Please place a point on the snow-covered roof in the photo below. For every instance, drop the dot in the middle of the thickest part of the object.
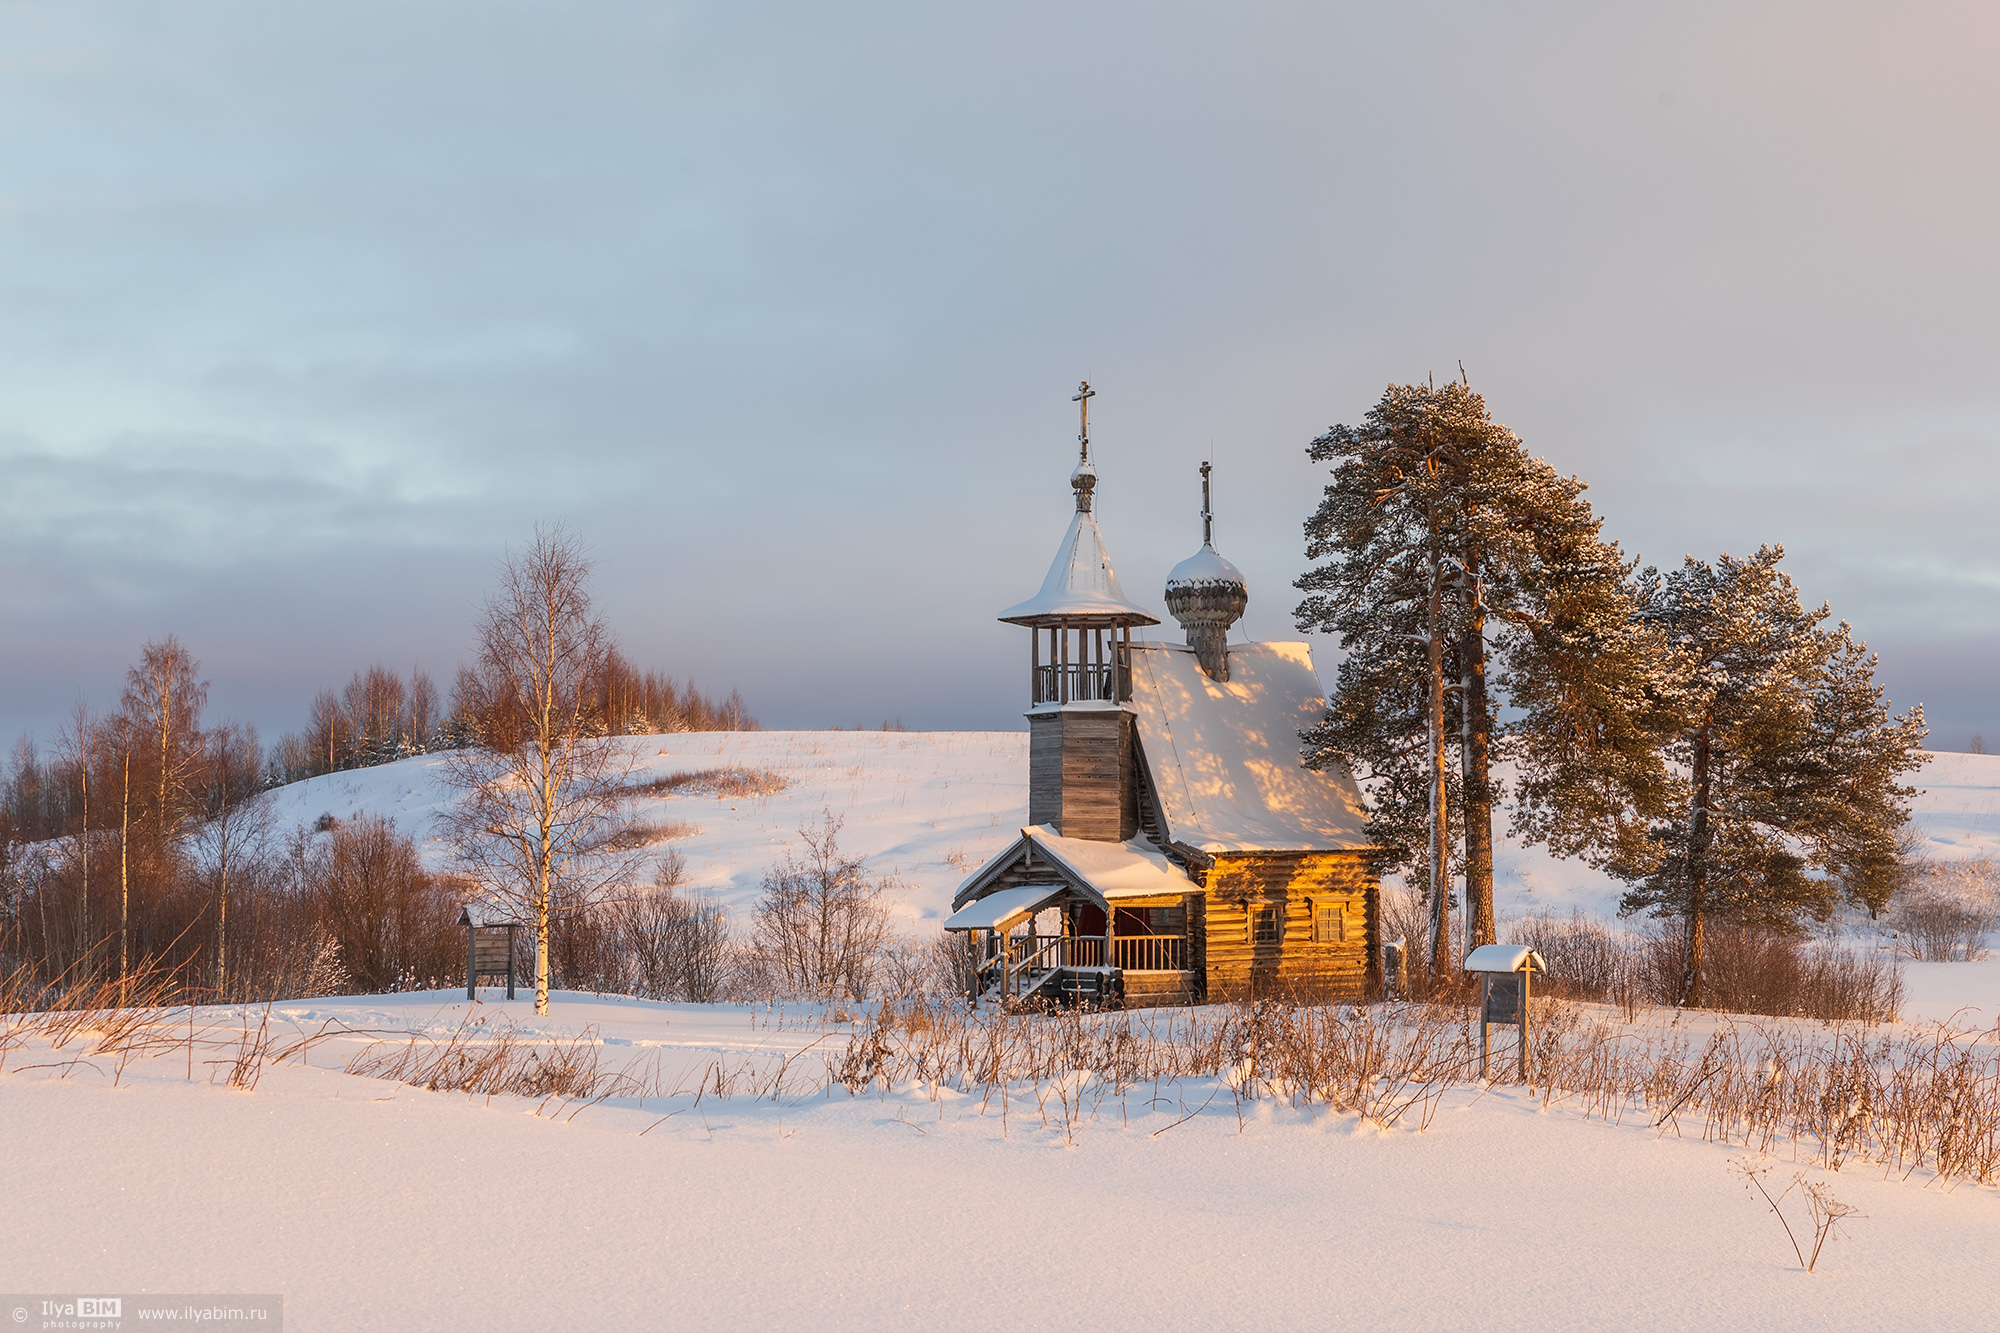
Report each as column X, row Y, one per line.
column 1080, row 582
column 485, row 914
column 1003, row 907
column 1107, row 871
column 1224, row 755
column 1205, row 568
column 1115, row 869
column 1503, row 958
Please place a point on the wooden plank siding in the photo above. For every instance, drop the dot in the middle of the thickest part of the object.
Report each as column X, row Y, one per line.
column 1293, row 884
column 1080, row 773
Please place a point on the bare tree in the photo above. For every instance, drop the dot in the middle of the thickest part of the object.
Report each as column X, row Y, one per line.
column 234, row 809
column 78, row 741
column 163, row 700
column 821, row 922
column 539, row 794
column 423, row 708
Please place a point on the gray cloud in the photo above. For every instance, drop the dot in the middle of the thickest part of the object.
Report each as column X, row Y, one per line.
column 306, row 314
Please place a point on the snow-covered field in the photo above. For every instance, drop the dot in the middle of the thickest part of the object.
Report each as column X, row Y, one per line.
column 371, row 1204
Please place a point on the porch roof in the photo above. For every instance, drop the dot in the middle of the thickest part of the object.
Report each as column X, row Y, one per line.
column 1100, row 871
column 1002, row 908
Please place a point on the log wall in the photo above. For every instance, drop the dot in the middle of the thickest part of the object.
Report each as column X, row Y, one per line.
column 1293, row 885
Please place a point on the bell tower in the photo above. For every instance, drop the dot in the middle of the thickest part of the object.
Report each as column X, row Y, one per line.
column 1080, row 761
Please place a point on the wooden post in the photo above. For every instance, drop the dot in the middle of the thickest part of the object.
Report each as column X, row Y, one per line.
column 471, row 957
column 1485, row 988
column 1526, row 972
column 510, row 960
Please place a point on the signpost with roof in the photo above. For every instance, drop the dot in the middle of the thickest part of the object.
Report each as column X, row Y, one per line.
column 489, row 946
column 1503, row 971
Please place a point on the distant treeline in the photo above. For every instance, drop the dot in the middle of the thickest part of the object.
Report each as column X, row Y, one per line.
column 379, row 717
column 131, row 844
column 151, row 763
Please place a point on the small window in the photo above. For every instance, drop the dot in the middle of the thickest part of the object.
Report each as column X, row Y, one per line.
column 1330, row 926
column 1266, row 928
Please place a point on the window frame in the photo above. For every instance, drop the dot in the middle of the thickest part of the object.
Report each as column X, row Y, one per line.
column 1335, row 912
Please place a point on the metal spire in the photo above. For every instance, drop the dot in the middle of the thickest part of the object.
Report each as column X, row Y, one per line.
column 1207, row 519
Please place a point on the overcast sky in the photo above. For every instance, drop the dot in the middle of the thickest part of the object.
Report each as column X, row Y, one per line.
column 308, row 312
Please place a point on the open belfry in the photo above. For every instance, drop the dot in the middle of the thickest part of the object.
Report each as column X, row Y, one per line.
column 1177, row 850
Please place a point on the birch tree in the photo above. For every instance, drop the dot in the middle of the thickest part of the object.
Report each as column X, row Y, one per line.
column 539, row 793
column 80, row 743
column 163, row 701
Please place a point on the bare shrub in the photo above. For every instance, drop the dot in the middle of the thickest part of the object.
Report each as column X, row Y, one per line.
column 931, row 967
column 394, row 922
column 678, row 946
column 1587, row 958
column 1747, row 969
column 1754, row 971
column 821, row 922
column 1406, row 917
column 1946, row 910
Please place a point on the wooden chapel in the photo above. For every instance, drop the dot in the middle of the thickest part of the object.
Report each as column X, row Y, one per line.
column 1177, row 851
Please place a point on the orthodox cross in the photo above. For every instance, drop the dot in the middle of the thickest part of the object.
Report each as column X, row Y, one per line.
column 1084, row 393
column 1207, row 519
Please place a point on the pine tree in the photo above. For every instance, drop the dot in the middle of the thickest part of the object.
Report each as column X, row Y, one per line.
column 1587, row 678
column 1784, row 757
column 1385, row 531
column 1512, row 550
column 1857, row 753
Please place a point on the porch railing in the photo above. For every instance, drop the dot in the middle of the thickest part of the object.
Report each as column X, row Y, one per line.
column 1009, row 962
column 1150, row 953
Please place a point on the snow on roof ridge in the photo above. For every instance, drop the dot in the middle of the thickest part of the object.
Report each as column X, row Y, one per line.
column 1080, row 581
column 1205, row 568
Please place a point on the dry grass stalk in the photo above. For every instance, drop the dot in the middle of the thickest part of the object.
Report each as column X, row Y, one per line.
column 721, row 783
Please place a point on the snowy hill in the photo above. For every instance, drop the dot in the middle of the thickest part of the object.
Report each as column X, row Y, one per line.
column 925, row 807
column 930, row 806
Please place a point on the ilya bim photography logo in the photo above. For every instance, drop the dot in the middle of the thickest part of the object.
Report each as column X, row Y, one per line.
column 263, row 1313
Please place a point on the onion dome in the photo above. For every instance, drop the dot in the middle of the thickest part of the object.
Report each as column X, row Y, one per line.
column 1207, row 595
